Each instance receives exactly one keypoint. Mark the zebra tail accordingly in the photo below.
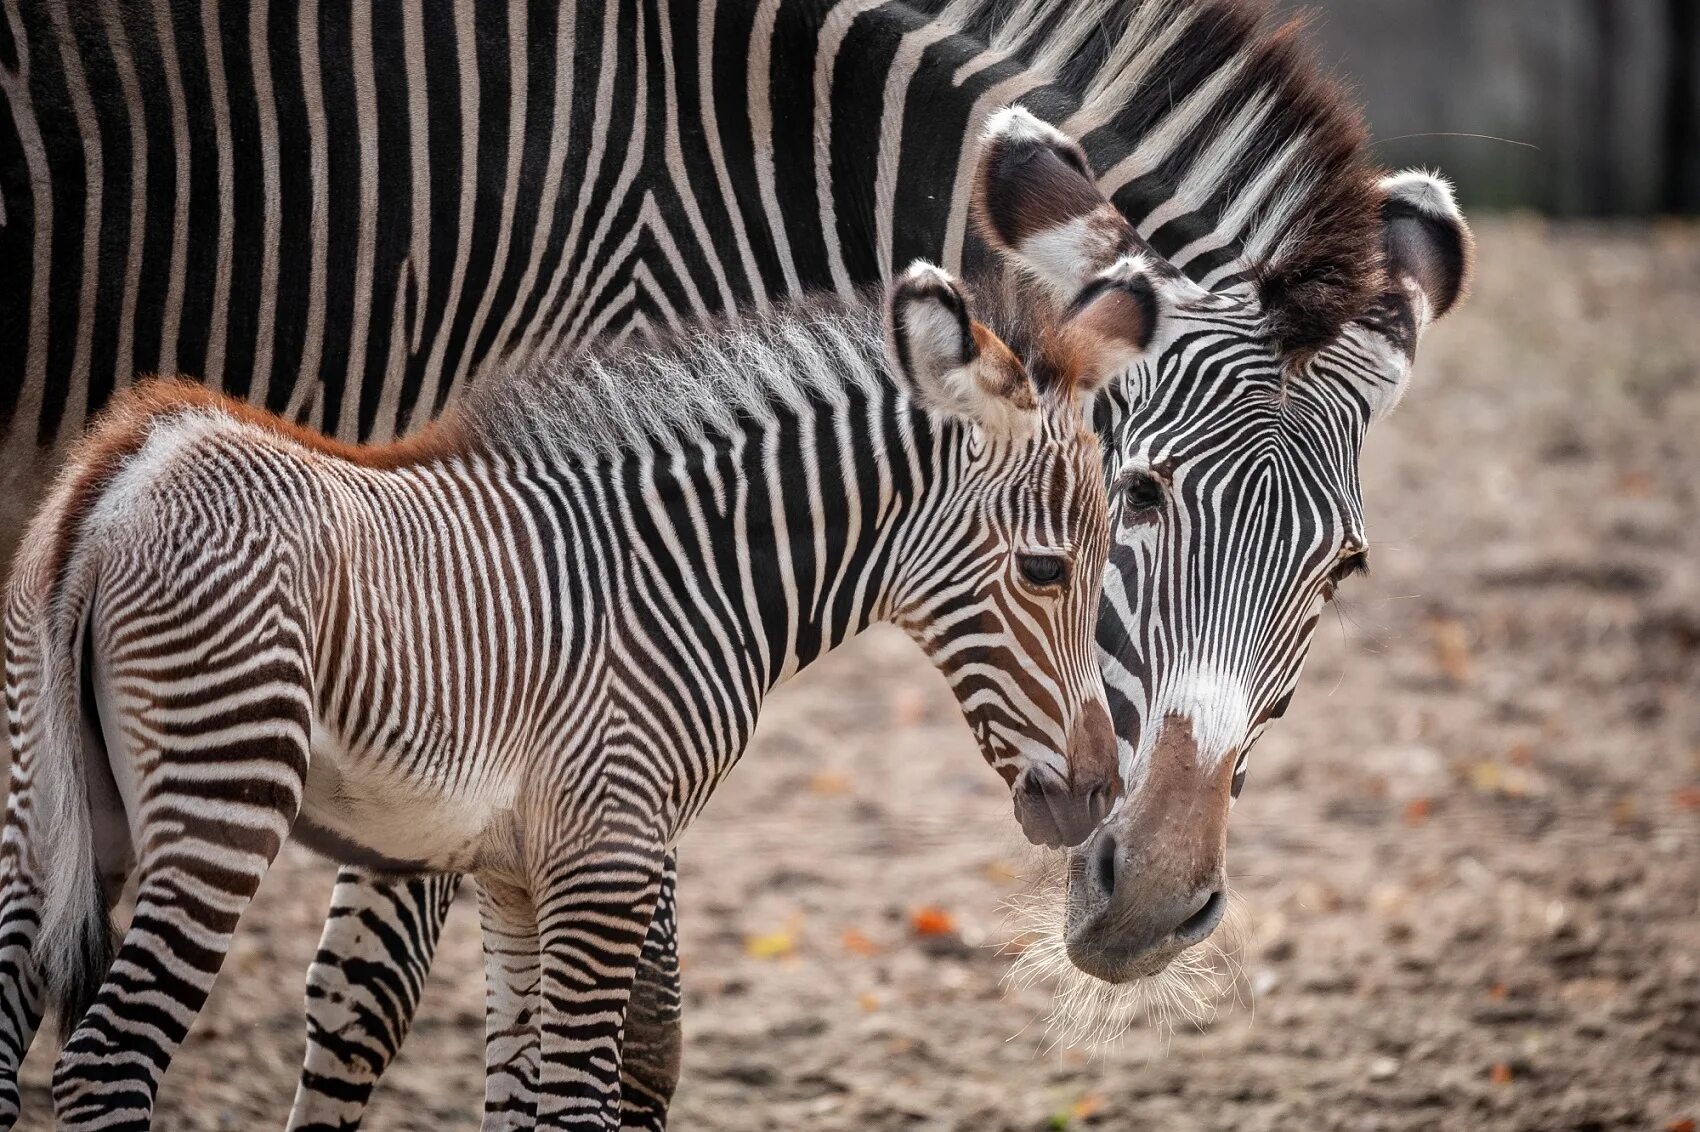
(75, 945)
(51, 599)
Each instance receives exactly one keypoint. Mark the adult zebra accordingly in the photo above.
(456, 204)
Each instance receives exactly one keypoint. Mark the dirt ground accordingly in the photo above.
(1468, 862)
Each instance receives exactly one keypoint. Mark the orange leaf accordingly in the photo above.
(1417, 811)
(1685, 1124)
(1500, 1074)
(1687, 798)
(858, 944)
(1086, 1106)
(932, 921)
(829, 782)
(1498, 992)
(868, 1001)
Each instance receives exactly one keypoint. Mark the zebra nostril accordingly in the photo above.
(1104, 865)
(1202, 922)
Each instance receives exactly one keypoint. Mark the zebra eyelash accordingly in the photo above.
(1353, 565)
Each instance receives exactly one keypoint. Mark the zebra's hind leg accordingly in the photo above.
(363, 989)
(21, 998)
(649, 1065)
(594, 910)
(512, 975)
(213, 809)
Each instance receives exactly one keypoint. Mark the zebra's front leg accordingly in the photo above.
(594, 910)
(363, 989)
(650, 1061)
(511, 977)
(649, 1068)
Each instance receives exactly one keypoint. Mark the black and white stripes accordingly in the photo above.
(527, 646)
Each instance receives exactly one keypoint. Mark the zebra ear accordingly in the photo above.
(948, 362)
(1113, 321)
(1036, 202)
(1428, 254)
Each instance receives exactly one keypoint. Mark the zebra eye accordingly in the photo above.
(1142, 493)
(1042, 569)
(1357, 563)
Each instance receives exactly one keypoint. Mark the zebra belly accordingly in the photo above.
(368, 812)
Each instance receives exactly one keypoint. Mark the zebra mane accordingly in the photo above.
(703, 378)
(1219, 137)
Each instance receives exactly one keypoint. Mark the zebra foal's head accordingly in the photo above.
(1232, 462)
(1004, 569)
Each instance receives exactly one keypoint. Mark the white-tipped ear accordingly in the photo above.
(948, 362)
(1036, 201)
(1425, 240)
(1113, 322)
(1428, 254)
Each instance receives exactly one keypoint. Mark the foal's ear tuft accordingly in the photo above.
(945, 360)
(1114, 320)
(1425, 240)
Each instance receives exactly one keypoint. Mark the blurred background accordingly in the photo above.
(1598, 100)
(1467, 862)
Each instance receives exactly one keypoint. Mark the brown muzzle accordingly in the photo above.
(1151, 881)
(1054, 812)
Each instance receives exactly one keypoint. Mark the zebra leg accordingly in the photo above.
(649, 1068)
(363, 989)
(593, 913)
(209, 840)
(512, 975)
(21, 1000)
(650, 1064)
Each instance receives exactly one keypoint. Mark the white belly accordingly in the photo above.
(369, 804)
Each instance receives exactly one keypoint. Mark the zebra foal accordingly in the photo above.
(528, 643)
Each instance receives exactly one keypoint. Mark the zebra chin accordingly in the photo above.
(1056, 812)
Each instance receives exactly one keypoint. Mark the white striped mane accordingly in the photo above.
(702, 379)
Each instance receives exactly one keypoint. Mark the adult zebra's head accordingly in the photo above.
(1003, 569)
(1232, 462)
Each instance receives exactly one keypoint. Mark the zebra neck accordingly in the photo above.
(778, 542)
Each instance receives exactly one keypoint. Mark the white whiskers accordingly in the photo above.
(1087, 1012)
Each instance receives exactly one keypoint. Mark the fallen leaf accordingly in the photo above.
(1451, 648)
(775, 944)
(1498, 992)
(1635, 485)
(1417, 811)
(1486, 777)
(829, 783)
(1685, 1124)
(1087, 1106)
(908, 707)
(1500, 1074)
(1687, 798)
(1623, 811)
(858, 944)
(932, 921)
(1520, 755)
(868, 1001)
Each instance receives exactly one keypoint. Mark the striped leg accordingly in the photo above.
(21, 1001)
(593, 912)
(650, 1064)
(363, 989)
(213, 817)
(511, 976)
(650, 1061)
